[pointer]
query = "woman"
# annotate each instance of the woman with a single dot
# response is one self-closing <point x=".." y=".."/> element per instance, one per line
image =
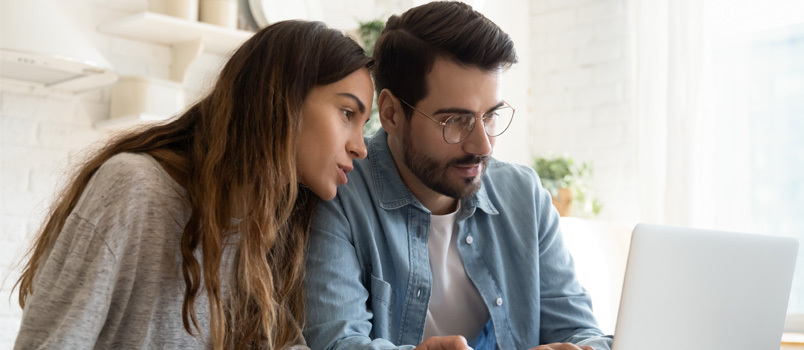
<point x="191" y="234"/>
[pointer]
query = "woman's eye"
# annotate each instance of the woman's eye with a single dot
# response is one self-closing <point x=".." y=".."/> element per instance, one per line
<point x="349" y="114"/>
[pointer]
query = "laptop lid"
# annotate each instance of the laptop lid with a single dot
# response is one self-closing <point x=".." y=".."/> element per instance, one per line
<point x="688" y="288"/>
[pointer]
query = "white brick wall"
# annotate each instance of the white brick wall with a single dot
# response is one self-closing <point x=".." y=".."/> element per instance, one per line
<point x="42" y="134"/>
<point x="579" y="97"/>
<point x="570" y="89"/>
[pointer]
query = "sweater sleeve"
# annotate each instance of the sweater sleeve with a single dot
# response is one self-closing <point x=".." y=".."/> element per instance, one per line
<point x="72" y="291"/>
<point x="110" y="278"/>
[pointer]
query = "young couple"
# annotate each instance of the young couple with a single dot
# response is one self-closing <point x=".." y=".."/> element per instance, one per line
<point x="209" y="231"/>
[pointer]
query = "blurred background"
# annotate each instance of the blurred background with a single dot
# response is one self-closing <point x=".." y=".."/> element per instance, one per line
<point x="687" y="112"/>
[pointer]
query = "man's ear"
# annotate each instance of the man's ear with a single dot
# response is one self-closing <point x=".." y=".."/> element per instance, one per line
<point x="390" y="111"/>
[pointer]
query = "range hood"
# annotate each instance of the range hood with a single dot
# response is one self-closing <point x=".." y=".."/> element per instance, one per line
<point x="41" y="46"/>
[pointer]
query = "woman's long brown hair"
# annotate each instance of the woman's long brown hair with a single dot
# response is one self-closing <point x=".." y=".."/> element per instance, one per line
<point x="236" y="151"/>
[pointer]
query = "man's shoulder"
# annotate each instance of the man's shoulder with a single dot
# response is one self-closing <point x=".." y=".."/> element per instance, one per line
<point x="511" y="172"/>
<point x="510" y="183"/>
<point x="375" y="173"/>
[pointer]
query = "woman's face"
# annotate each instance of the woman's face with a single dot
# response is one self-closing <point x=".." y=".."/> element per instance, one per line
<point x="332" y="132"/>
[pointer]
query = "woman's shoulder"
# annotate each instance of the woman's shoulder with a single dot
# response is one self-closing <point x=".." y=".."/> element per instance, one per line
<point x="124" y="168"/>
<point x="134" y="173"/>
<point x="128" y="186"/>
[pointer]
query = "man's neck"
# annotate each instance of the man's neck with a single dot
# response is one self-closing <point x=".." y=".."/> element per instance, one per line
<point x="437" y="203"/>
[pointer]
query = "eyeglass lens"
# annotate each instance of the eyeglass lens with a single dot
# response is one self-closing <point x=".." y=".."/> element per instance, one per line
<point x="458" y="127"/>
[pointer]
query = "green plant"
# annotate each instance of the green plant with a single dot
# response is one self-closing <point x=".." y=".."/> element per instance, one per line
<point x="562" y="172"/>
<point x="368" y="33"/>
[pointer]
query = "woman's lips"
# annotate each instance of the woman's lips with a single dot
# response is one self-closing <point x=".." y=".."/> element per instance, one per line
<point x="343" y="170"/>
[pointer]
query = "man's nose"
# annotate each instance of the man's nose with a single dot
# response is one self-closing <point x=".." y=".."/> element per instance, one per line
<point x="478" y="143"/>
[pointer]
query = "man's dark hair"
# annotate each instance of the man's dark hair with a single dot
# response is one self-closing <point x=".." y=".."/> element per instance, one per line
<point x="410" y="43"/>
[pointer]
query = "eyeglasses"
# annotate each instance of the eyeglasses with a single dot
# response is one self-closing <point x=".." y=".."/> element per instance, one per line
<point x="458" y="127"/>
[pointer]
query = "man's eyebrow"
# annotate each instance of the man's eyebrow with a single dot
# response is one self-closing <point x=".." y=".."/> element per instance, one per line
<point x="496" y="107"/>
<point x="360" y="104"/>
<point x="453" y="110"/>
<point x="456" y="110"/>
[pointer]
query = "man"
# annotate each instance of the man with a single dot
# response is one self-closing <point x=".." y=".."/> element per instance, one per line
<point x="433" y="242"/>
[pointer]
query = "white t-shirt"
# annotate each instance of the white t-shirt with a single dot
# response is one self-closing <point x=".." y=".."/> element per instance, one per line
<point x="456" y="307"/>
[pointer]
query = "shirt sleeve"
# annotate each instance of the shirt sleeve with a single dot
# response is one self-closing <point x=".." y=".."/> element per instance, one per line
<point x="566" y="307"/>
<point x="72" y="291"/>
<point x="338" y="312"/>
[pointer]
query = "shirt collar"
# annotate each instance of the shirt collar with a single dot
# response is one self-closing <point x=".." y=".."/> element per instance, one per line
<point x="392" y="193"/>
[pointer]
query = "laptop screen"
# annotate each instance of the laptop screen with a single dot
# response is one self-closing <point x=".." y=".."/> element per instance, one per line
<point x="698" y="289"/>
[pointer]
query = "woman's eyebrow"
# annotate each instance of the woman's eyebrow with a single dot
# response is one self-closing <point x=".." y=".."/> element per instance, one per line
<point x="360" y="104"/>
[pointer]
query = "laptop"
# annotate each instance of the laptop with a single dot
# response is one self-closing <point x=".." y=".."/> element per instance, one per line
<point x="688" y="288"/>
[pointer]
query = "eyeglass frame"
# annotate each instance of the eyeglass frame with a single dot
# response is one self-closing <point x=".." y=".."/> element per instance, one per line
<point x="444" y="123"/>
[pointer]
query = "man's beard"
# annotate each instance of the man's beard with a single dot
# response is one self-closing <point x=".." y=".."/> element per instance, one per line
<point x="434" y="174"/>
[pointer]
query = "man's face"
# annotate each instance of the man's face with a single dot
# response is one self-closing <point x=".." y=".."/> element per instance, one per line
<point x="452" y="170"/>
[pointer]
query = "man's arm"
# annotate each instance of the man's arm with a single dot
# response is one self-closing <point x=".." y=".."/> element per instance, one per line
<point x="338" y="303"/>
<point x="338" y="313"/>
<point x="566" y="307"/>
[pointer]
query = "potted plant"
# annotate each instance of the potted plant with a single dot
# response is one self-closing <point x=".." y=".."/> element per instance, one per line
<point x="565" y="180"/>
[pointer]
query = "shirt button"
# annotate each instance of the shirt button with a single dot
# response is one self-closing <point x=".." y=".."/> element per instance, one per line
<point x="419" y="293"/>
<point x="499" y="301"/>
<point x="469" y="239"/>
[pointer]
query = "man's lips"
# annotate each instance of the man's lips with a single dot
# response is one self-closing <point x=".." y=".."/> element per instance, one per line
<point x="469" y="170"/>
<point x="470" y="166"/>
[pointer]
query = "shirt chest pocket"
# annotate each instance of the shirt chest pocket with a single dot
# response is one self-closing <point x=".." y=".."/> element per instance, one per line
<point x="381" y="306"/>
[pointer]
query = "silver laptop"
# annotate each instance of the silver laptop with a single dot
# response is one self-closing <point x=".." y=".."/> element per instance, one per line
<point x="698" y="289"/>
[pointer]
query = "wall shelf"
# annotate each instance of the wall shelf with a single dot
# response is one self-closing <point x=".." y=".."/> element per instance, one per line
<point x="168" y="30"/>
<point x="187" y="40"/>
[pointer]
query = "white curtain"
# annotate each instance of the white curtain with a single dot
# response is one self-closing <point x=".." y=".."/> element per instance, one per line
<point x="668" y="59"/>
<point x="695" y="65"/>
<point x="718" y="87"/>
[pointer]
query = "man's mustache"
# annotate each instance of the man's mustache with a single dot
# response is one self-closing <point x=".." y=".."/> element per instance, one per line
<point x="470" y="159"/>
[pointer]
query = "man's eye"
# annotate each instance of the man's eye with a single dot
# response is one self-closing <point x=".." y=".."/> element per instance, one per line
<point x="459" y="119"/>
<point x="453" y="120"/>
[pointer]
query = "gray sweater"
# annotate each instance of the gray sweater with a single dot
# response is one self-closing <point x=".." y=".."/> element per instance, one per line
<point x="113" y="278"/>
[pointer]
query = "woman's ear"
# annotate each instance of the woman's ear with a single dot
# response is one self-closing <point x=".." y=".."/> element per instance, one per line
<point x="390" y="112"/>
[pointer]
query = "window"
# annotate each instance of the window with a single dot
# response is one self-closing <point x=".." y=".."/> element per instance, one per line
<point x="719" y="100"/>
<point x="757" y="89"/>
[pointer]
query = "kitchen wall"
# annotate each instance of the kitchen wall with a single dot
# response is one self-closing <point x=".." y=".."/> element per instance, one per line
<point x="570" y="90"/>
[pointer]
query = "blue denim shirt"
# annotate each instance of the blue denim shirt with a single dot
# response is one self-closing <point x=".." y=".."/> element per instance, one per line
<point x="368" y="270"/>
